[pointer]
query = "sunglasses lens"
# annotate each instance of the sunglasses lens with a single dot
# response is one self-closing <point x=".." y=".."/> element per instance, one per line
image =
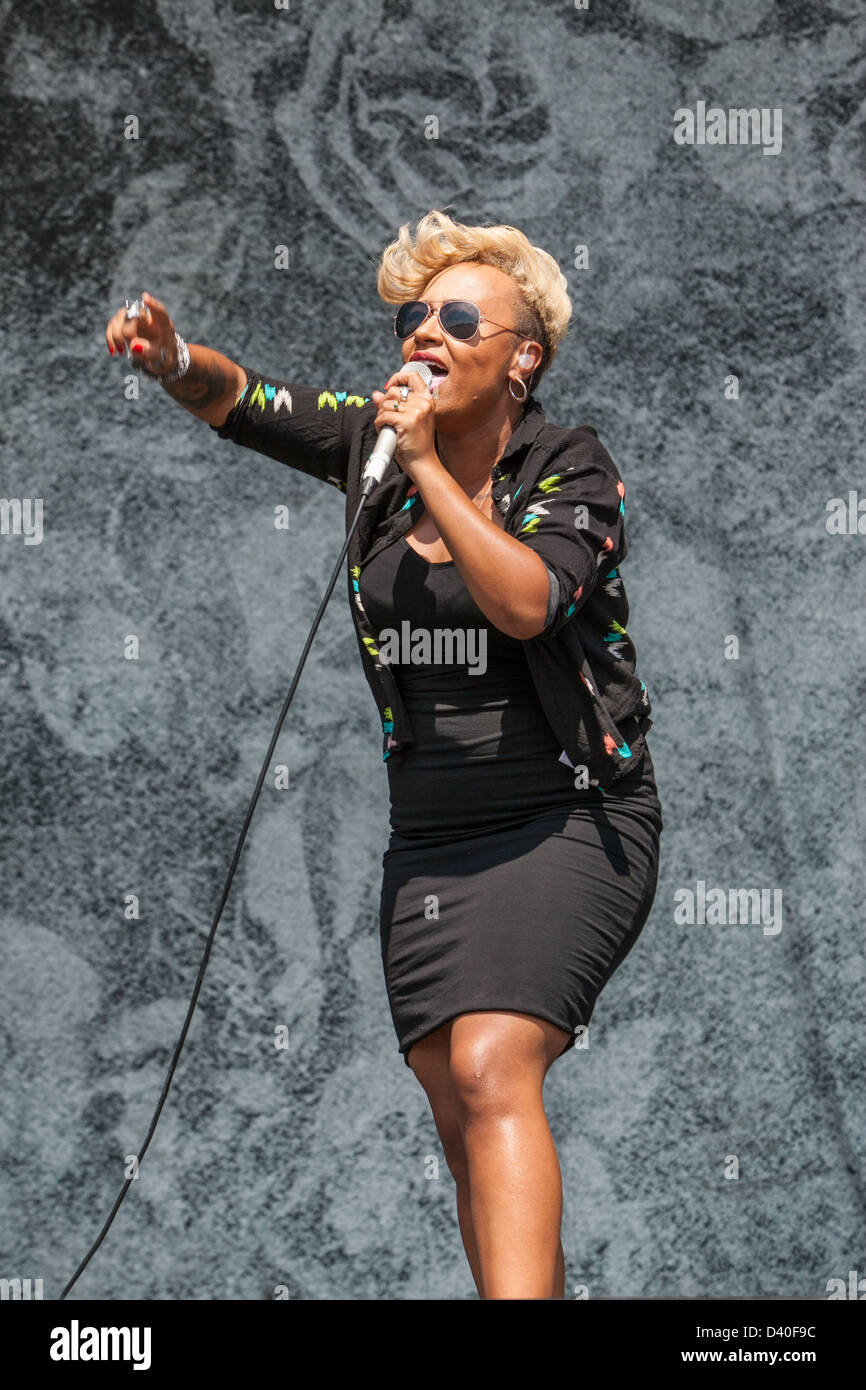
<point x="409" y="317"/>
<point x="460" y="318"/>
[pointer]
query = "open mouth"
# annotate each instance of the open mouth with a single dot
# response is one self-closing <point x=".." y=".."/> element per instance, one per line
<point x="439" y="371"/>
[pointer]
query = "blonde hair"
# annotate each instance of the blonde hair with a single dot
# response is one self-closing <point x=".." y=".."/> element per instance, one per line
<point x="406" y="266"/>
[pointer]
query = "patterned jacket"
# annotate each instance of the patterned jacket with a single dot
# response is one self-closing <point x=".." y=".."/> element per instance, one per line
<point x="558" y="491"/>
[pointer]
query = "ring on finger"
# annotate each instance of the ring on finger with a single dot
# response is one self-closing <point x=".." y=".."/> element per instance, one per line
<point x="404" y="393"/>
<point x="396" y="405"/>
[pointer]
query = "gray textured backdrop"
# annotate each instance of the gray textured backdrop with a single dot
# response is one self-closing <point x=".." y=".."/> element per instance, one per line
<point x="306" y="1167"/>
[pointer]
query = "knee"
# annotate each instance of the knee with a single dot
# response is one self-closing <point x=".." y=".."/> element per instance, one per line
<point x="489" y="1083"/>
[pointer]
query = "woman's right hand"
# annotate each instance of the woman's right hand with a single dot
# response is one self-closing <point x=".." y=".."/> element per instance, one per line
<point x="150" y="337"/>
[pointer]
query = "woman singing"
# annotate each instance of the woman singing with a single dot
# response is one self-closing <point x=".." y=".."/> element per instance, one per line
<point x="490" y="613"/>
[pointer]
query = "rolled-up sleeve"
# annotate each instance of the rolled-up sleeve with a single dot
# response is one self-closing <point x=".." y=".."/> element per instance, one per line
<point x="573" y="519"/>
<point x="301" y="426"/>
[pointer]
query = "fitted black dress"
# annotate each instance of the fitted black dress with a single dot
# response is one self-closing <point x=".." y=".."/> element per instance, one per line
<point x="504" y="887"/>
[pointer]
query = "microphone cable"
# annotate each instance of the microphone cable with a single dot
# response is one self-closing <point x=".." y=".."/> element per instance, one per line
<point x="371" y="478"/>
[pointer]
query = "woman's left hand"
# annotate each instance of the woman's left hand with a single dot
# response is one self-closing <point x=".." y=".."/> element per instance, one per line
<point x="415" y="421"/>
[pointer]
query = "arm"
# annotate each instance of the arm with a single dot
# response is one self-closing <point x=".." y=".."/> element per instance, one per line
<point x="302" y="426"/>
<point x="574" y="519"/>
<point x="571" y="519"/>
<point x="210" y="387"/>
<point x="211" y="384"/>
<point x="570" y="526"/>
<point x="485" y="555"/>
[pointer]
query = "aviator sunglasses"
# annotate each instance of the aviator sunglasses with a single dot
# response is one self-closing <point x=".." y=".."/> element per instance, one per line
<point x="459" y="318"/>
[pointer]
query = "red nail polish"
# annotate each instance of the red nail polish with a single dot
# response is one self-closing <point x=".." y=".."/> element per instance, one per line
<point x="111" y="350"/>
<point x="136" y="347"/>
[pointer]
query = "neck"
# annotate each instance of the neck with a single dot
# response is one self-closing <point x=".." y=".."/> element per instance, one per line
<point x="469" y="452"/>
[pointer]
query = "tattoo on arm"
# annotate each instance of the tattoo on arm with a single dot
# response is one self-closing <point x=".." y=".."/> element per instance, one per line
<point x="202" y="386"/>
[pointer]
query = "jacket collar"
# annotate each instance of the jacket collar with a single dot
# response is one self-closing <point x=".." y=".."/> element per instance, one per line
<point x="531" y="422"/>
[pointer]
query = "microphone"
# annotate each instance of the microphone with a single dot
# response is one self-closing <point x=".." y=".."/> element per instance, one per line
<point x="387" y="440"/>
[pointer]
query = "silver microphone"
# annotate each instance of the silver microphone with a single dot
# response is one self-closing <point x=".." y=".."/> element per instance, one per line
<point x="387" y="440"/>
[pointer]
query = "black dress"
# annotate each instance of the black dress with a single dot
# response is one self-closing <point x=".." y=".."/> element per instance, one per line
<point x="504" y="887"/>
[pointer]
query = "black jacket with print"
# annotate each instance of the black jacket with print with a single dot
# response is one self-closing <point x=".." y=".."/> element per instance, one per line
<point x="559" y="492"/>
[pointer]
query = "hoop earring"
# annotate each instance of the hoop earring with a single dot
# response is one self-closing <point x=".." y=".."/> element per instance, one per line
<point x="525" y="395"/>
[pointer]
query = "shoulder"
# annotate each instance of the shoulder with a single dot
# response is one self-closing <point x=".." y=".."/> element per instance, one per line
<point x="574" y="452"/>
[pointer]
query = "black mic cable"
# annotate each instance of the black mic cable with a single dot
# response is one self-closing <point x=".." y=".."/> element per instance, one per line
<point x="379" y="458"/>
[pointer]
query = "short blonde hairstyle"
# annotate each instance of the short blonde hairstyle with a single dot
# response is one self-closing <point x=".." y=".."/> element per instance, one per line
<point x="407" y="265"/>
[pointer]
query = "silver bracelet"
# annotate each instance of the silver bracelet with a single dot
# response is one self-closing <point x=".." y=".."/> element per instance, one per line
<point x="182" y="363"/>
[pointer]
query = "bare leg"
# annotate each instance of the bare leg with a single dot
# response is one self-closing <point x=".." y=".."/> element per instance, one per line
<point x="429" y="1060"/>
<point x="467" y="1229"/>
<point x="498" y="1064"/>
<point x="559" y="1282"/>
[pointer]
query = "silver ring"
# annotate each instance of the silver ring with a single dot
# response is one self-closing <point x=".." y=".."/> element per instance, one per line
<point x="135" y="309"/>
<point x="404" y="393"/>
